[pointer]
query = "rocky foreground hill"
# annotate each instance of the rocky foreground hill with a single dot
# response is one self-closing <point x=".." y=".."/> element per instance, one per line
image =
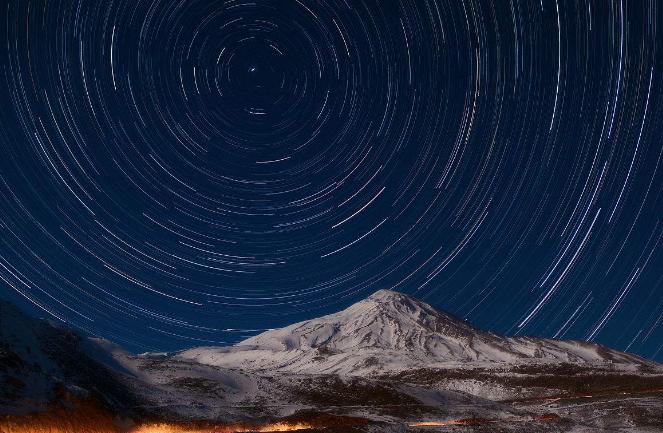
<point x="387" y="363"/>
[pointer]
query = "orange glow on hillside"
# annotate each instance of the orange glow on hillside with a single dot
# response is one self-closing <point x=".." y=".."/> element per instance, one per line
<point x="96" y="422"/>
<point x="86" y="416"/>
<point x="52" y="423"/>
<point x="232" y="428"/>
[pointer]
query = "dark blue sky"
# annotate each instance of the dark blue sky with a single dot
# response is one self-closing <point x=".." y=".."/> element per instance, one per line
<point x="187" y="173"/>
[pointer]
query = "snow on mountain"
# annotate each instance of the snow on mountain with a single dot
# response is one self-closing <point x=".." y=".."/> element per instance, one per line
<point x="390" y="332"/>
<point x="388" y="357"/>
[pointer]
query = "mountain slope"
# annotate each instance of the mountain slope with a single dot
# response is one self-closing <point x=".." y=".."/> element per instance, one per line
<point x="390" y="332"/>
<point x="40" y="363"/>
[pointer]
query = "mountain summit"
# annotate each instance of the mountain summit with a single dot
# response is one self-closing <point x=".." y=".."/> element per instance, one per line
<point x="390" y="331"/>
<point x="386" y="320"/>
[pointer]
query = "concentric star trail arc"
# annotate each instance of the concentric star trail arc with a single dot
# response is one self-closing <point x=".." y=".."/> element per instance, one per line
<point x="181" y="173"/>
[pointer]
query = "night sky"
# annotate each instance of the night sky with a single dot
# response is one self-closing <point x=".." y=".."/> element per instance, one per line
<point x="181" y="173"/>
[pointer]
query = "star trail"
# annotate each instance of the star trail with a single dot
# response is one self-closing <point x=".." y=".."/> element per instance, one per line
<point x="181" y="173"/>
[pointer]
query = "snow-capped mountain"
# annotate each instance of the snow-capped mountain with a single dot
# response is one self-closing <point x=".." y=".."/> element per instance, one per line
<point x="391" y="332"/>
<point x="388" y="358"/>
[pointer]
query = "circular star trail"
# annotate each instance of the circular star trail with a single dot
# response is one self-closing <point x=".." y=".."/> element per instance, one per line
<point x="178" y="173"/>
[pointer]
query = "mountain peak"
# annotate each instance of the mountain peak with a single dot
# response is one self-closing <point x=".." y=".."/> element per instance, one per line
<point x="404" y="307"/>
<point x="386" y="294"/>
<point x="386" y="320"/>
